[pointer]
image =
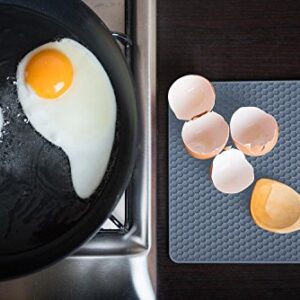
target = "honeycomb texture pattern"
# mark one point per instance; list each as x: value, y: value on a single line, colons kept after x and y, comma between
x: 206, y: 226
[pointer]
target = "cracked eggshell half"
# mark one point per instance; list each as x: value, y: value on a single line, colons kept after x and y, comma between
x: 205, y: 136
x: 190, y: 96
x: 254, y: 131
x: 231, y: 173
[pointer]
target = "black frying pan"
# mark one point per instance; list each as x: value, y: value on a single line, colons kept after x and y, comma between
x: 41, y: 218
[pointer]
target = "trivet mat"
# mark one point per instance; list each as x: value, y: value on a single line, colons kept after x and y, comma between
x: 206, y: 226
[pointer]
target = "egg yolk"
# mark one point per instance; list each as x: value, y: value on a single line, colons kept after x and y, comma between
x: 49, y: 73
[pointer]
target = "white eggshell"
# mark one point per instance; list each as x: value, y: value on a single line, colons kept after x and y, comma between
x: 190, y: 96
x: 206, y: 136
x: 254, y: 131
x: 231, y: 172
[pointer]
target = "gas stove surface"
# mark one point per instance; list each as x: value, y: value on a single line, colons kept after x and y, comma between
x: 120, y: 261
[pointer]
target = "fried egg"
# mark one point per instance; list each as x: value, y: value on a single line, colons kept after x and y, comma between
x: 68, y: 98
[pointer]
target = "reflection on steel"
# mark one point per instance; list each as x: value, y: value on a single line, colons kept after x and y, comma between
x: 123, y: 38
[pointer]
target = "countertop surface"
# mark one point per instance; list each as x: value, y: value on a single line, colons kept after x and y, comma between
x: 222, y: 40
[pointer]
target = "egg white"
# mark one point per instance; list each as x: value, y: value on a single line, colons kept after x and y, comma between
x: 81, y: 121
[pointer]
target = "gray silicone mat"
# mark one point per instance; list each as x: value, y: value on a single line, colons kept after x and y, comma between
x: 206, y: 226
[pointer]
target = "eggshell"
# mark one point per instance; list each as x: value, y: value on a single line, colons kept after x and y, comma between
x: 275, y: 207
x: 231, y: 173
x: 206, y: 136
x: 190, y: 96
x: 254, y: 131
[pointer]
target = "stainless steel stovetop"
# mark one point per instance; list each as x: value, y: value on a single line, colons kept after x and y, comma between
x: 120, y: 261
